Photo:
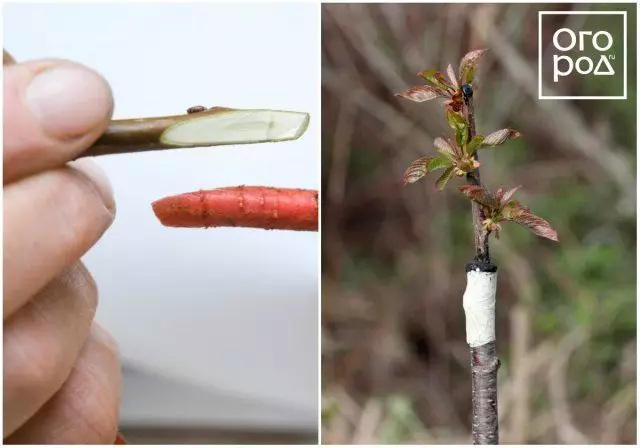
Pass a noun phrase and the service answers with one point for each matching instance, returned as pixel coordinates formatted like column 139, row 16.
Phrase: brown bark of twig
column 484, row 394
column 484, row 360
column 480, row 237
column 140, row 134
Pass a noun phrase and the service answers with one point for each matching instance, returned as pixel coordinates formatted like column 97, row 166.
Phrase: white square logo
column 581, row 53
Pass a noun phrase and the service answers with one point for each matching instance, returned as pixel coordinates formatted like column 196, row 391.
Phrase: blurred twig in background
column 395, row 366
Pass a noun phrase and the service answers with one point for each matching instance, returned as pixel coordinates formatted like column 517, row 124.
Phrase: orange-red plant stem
column 244, row 206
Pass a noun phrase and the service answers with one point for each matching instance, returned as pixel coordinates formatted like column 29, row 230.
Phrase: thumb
column 53, row 110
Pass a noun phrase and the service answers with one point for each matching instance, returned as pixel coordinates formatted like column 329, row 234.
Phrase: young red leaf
column 420, row 93
column 443, row 81
column 468, row 65
column 456, row 102
column 417, row 170
column 444, row 178
column 504, row 198
column 499, row 137
column 498, row 208
column 444, row 147
column 480, row 195
column 538, row 226
column 452, row 76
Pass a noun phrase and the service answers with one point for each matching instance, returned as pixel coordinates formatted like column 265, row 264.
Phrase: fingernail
column 69, row 100
column 99, row 178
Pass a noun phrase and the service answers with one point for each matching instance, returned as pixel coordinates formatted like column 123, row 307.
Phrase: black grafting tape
column 481, row 266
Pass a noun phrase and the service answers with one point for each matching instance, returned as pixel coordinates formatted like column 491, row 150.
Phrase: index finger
column 53, row 110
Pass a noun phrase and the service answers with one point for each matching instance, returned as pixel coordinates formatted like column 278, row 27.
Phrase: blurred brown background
column 395, row 361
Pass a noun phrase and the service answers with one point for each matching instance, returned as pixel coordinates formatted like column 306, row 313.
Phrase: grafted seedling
column 459, row 157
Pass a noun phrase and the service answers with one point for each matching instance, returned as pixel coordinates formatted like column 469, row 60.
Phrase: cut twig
column 199, row 127
column 210, row 127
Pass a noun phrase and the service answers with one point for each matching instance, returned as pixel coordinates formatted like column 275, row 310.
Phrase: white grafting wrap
column 479, row 303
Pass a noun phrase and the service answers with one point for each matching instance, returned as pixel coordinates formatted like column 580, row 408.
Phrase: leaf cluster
column 441, row 87
column 499, row 207
column 457, row 155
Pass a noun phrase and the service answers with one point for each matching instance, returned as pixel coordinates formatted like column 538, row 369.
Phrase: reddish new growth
column 499, row 208
column 257, row 207
column 457, row 157
column 455, row 160
column 458, row 154
column 440, row 87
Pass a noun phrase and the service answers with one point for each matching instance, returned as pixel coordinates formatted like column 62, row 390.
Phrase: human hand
column 62, row 377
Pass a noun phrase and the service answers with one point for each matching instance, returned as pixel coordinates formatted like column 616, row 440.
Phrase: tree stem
column 484, row 394
column 481, row 240
column 484, row 360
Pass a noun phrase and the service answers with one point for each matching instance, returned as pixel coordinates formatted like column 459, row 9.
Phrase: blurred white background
column 229, row 313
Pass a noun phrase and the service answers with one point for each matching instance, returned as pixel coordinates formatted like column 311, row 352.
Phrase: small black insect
column 467, row 93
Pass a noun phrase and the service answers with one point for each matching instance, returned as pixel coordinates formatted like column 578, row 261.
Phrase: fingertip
column 53, row 110
column 69, row 100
